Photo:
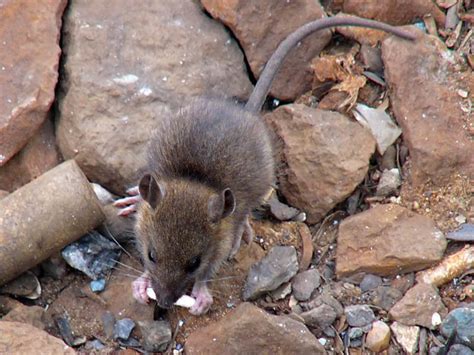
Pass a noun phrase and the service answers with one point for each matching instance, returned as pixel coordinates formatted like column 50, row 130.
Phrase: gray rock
column 459, row 349
column 324, row 298
column 460, row 320
column 156, row 335
column 389, row 182
column 322, row 316
column 93, row 254
column 465, row 233
column 277, row 267
column 385, row 297
column 123, row 328
column 359, row 315
column 305, row 283
column 108, row 323
column 281, row 292
column 369, row 282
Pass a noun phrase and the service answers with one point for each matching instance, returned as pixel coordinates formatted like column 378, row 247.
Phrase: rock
column 458, row 349
column 359, row 315
column 418, row 306
column 389, row 182
column 54, row 267
column 327, row 299
column 123, row 328
column 21, row 338
column 95, row 344
column 323, row 163
column 38, row 156
column 97, row 285
column 156, row 335
column 407, row 336
column 437, row 108
column 93, row 254
column 260, row 26
column 355, row 337
column 281, row 292
column 460, row 320
column 120, row 77
column 279, row 266
column 464, row 233
column 371, row 58
column 378, row 338
column 108, row 322
column 26, row 101
column 33, row 315
column 394, row 12
column 404, row 282
column 385, row 297
column 26, row 285
column 369, row 282
column 387, row 240
column 322, row 316
column 305, row 283
column 249, row 330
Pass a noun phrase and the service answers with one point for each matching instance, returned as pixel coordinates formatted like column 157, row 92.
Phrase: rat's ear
column 150, row 190
column 221, row 206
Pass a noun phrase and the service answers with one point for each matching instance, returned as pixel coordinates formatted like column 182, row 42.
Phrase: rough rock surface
column 249, row 330
column 260, row 26
column 119, row 78
column 33, row 315
column 435, row 126
column 359, row 315
column 394, row 12
column 322, row 316
column 387, row 240
column 407, row 336
column 325, row 155
column 305, row 283
column 28, row 72
column 38, row 156
column 20, row 338
column 418, row 306
column 461, row 321
column 378, row 338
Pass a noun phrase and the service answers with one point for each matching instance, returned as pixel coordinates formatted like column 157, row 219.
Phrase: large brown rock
column 260, row 26
column 325, row 156
column 38, row 156
column 29, row 57
column 20, row 338
column 394, row 12
column 424, row 78
column 387, row 240
column 250, row 330
column 127, row 66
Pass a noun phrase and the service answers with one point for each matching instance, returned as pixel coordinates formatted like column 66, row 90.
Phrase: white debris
column 150, row 293
column 185, row 301
column 126, row 79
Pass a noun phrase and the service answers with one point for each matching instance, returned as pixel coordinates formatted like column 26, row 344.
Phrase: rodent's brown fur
column 204, row 149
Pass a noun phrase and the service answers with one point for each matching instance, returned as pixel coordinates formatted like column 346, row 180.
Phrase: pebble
column 389, row 182
column 281, row 292
column 156, row 335
column 459, row 349
column 108, row 323
column 355, row 335
column 359, row 315
column 123, row 328
column 378, row 338
column 460, row 320
column 95, row 344
column 322, row 316
column 305, row 283
column 407, row 336
column 385, row 297
column 97, row 285
column 276, row 268
column 464, row 233
column 369, row 282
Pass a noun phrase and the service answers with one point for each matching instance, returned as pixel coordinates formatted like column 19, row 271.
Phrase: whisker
column 129, row 267
column 119, row 245
column 222, row 278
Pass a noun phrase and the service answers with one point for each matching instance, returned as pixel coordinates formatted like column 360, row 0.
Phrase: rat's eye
column 152, row 256
column 193, row 264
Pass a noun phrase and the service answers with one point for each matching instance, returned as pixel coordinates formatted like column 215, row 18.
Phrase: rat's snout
column 166, row 297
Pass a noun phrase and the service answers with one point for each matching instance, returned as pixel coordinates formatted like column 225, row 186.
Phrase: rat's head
column 180, row 228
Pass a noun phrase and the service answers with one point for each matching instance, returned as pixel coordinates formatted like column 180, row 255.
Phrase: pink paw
column 128, row 205
column 139, row 287
column 203, row 299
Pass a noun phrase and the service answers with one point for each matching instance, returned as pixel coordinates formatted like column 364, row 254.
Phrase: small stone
column 460, row 219
column 355, row 333
column 409, row 312
column 460, row 320
column 108, row 323
column 34, row 315
column 463, row 93
column 389, row 182
column 378, row 338
column 324, row 298
column 123, row 328
column 156, row 335
column 281, row 292
column 359, row 315
column 465, row 233
column 407, row 336
column 459, row 349
column 322, row 316
column 279, row 266
column 95, row 344
column 369, row 282
column 97, row 285
column 305, row 283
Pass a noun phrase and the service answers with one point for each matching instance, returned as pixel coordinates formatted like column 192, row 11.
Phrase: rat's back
column 219, row 144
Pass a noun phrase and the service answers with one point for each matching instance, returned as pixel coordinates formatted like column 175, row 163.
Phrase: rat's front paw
column 139, row 287
column 128, row 205
column 203, row 300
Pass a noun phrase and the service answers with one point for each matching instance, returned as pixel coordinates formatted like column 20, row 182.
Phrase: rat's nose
column 167, row 300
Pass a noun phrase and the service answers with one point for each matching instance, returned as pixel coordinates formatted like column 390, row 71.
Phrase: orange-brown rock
column 21, row 338
column 325, row 156
column 424, row 78
column 29, row 57
column 387, row 240
column 38, row 156
column 260, row 26
column 394, row 12
column 250, row 330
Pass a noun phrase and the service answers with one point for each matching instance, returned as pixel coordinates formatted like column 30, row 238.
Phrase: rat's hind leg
column 128, row 205
column 139, row 287
column 203, row 298
column 244, row 231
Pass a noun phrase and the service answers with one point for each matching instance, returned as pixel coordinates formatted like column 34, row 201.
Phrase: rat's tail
column 262, row 87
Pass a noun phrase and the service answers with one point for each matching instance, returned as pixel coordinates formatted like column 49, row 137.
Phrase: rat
column 208, row 167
